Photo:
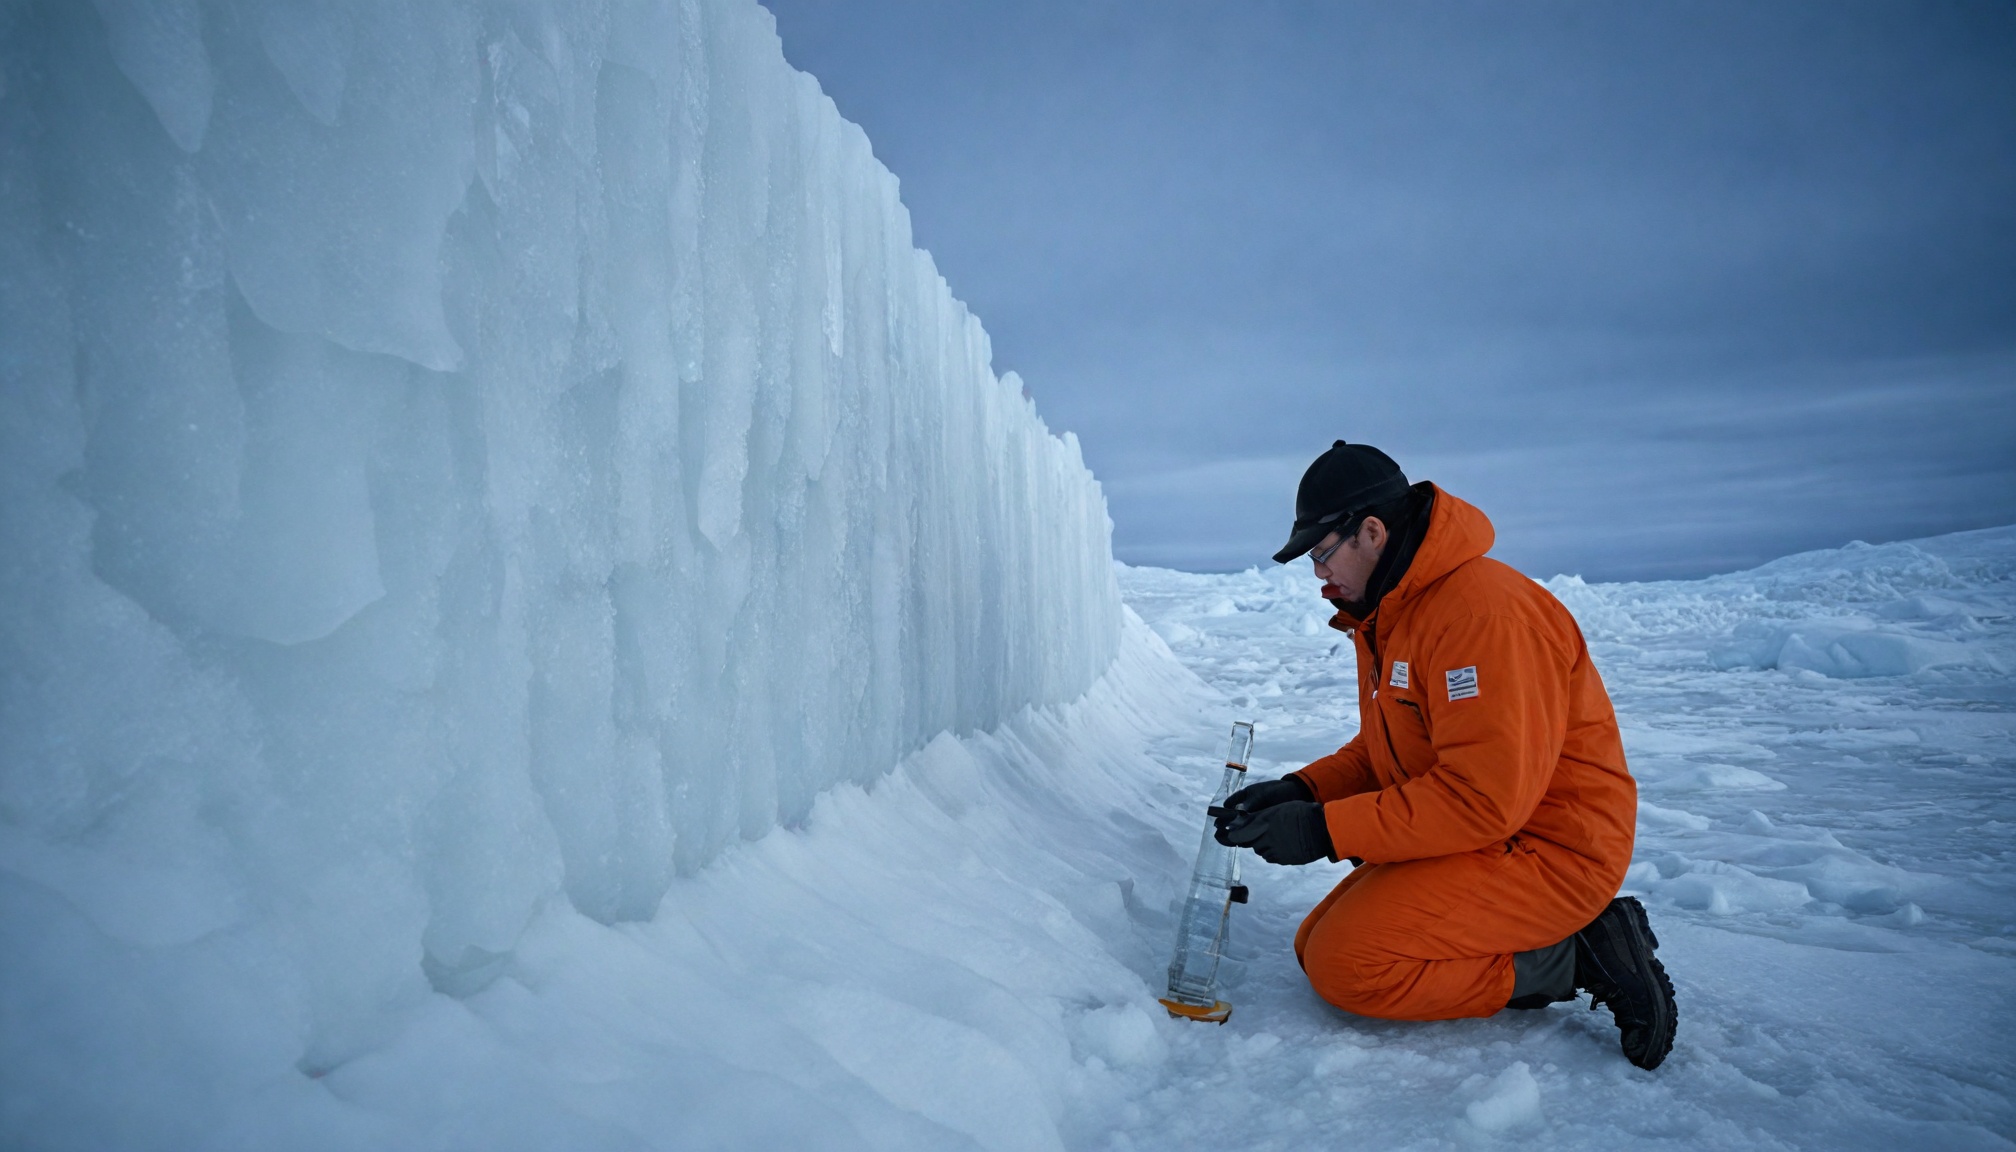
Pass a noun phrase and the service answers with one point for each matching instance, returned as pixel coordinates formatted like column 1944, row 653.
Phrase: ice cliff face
column 459, row 455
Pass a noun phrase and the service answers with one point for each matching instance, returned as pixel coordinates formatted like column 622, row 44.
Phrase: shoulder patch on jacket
column 1399, row 674
column 1462, row 682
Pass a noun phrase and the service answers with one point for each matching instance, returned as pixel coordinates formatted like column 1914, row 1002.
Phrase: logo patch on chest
column 1462, row 682
column 1399, row 674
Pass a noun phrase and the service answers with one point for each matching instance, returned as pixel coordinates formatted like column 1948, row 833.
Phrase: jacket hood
column 1458, row 532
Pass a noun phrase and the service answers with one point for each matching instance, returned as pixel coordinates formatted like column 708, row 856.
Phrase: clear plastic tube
column 1214, row 888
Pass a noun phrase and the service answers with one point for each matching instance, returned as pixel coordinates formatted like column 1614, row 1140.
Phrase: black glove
column 1254, row 797
column 1291, row 833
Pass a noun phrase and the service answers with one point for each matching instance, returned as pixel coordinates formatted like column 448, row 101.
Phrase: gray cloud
column 1666, row 288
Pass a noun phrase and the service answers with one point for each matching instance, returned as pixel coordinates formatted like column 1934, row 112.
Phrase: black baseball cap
column 1346, row 480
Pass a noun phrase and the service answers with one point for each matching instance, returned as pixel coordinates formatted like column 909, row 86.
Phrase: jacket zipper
column 1371, row 631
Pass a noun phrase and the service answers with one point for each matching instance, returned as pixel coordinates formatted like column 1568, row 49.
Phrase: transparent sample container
column 1214, row 888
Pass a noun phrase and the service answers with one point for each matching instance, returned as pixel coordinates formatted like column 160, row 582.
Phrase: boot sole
column 1665, row 1011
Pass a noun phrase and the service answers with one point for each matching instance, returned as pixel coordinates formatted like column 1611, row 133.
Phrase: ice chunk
column 1908, row 916
column 1839, row 876
column 1843, row 649
column 1717, row 777
column 1512, row 1098
column 1123, row 1036
column 1721, row 889
column 1649, row 813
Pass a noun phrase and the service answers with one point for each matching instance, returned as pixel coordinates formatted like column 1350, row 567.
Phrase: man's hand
column 1290, row 833
column 1255, row 797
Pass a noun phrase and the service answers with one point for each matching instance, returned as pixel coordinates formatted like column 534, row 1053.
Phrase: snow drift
column 458, row 457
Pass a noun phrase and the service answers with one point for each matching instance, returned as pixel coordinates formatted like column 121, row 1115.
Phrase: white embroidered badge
column 1399, row 674
column 1462, row 682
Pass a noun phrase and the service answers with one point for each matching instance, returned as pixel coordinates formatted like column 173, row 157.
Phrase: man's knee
column 1348, row 972
column 1351, row 968
column 1364, row 989
column 1407, row 989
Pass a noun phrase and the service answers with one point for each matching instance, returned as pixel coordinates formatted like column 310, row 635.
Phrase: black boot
column 1614, row 962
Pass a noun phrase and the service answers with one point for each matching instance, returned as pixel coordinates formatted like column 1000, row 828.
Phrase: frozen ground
column 964, row 953
column 1824, row 748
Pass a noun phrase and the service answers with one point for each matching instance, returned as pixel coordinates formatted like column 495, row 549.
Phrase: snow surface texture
column 456, row 460
column 1826, row 754
column 952, row 957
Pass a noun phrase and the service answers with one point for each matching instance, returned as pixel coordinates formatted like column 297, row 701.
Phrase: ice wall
column 458, row 456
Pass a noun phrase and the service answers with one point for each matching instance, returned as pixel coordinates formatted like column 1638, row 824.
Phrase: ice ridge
column 458, row 457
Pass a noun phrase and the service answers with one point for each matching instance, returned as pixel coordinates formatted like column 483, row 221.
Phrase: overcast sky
column 1665, row 288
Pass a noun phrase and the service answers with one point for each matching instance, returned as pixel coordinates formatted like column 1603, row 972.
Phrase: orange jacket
column 1482, row 719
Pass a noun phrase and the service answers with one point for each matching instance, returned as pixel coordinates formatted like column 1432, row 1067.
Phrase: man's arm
column 1345, row 772
column 1497, row 743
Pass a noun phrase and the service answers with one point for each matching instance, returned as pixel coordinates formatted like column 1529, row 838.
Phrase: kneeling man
column 1485, row 797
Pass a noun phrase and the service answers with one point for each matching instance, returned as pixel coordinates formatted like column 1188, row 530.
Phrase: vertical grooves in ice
column 478, row 451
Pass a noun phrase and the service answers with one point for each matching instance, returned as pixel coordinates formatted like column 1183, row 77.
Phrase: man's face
column 1349, row 567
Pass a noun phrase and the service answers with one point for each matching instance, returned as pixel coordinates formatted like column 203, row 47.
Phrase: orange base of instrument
column 1215, row 1014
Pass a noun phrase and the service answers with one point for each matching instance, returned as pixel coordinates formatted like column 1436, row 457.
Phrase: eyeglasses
column 1322, row 555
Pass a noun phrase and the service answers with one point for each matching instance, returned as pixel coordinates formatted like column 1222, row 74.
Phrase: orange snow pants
column 1433, row 939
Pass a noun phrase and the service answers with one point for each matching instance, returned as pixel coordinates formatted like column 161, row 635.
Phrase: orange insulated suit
column 1486, row 788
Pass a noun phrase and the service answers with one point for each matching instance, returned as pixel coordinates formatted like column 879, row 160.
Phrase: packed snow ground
column 1825, row 755
column 965, row 953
